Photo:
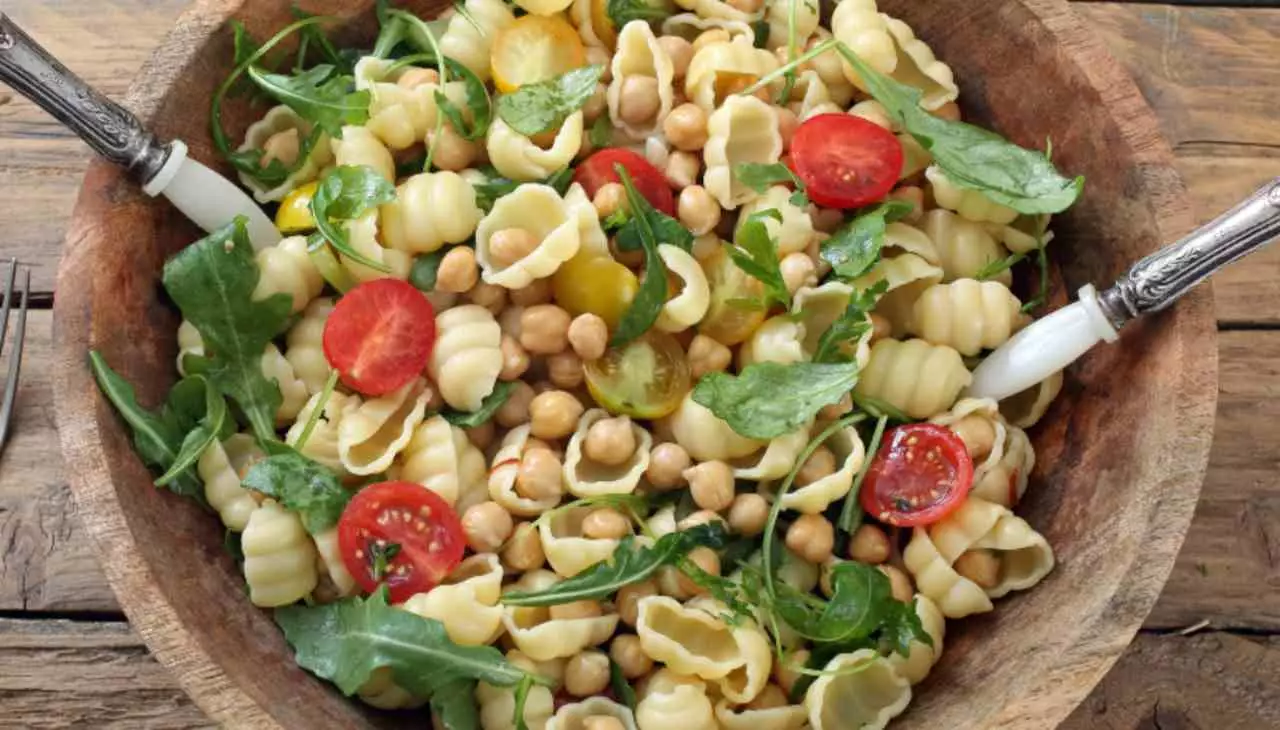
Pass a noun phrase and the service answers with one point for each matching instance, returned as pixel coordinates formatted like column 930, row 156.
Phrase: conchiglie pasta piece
column 557, row 224
column 286, row 268
column 362, row 234
column 467, row 356
column 906, row 277
column 542, row 638
column 817, row 308
column 920, row 659
column 719, row 68
column 399, row 117
column 690, row 305
column 1025, row 409
column 860, row 26
column 744, row 683
column 305, row 346
column 283, row 119
column 587, row 478
column 382, row 692
column 964, row 418
column 787, row 717
column 1025, row 556
column 322, row 444
column 441, row 458
column 830, row 68
column 279, row 557
column 675, row 701
column 497, row 705
column 917, row 378
column 466, row 602
column 779, row 339
column 543, row 7
column 691, row 25
column 567, row 551
column 469, row 36
column 715, row 9
column 972, row 205
column 917, row 66
column 795, row 231
column 967, row 315
column 430, row 210
column 687, row 639
column 778, row 17
column 520, row 158
column 744, row 129
column 775, row 460
column 371, row 433
column 964, row 247
column 359, row 147
column 573, row 716
column 705, row 436
column 815, row 96
column 859, row 690
column 331, row 566
column 815, row 497
column 955, row 595
column 638, row 55
column 906, row 238
column 293, row 392
column 502, row 477
column 222, row 489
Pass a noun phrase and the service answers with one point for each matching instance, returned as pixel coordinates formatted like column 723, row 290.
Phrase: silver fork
column 19, row 337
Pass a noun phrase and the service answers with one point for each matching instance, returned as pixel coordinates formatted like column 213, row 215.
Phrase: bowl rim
column 1042, row 703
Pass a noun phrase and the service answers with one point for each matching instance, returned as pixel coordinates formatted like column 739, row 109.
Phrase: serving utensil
column 208, row 199
column 1151, row 285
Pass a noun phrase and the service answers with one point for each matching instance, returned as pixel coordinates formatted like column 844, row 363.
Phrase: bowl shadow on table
column 1121, row 455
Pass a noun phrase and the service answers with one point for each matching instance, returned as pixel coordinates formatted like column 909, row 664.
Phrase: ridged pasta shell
column 586, row 478
column 282, row 119
column 860, row 26
column 567, row 551
column 744, row 129
column 557, row 224
column 382, row 692
column 222, row 489
column 777, row 15
column 466, row 602
column 675, row 701
column 362, row 234
column 286, row 268
column 830, row 68
column 817, row 308
column 469, row 36
column 430, row 210
column 573, row 715
column 519, row 158
column 917, row 378
column 331, row 564
column 1025, row 409
column 322, row 444
column 816, row 496
column 917, row 66
column 502, row 477
column 305, row 345
column 686, row 639
column 715, row 9
column 907, row 276
column 542, row 638
column 906, row 238
column 705, row 436
column 638, row 54
column 955, row 595
column 963, row 246
column 690, row 305
column 371, row 433
column 815, row 97
column 972, row 205
column 736, row 58
column 794, row 232
column 398, row 116
column 920, row 659
column 967, row 315
column 690, row 25
column 787, row 717
column 467, row 356
column 293, row 392
column 279, row 557
column 778, row 340
column 867, row 697
column 360, row 147
column 497, row 705
column 775, row 461
column 441, row 458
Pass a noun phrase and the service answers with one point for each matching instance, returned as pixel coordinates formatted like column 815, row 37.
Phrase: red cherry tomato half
column 597, row 170
column 845, row 161
column 424, row 528
column 921, row 473
column 379, row 336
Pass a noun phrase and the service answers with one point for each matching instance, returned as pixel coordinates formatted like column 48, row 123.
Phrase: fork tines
column 20, row 334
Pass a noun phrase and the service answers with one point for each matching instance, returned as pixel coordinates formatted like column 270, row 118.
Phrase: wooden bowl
column 1121, row 455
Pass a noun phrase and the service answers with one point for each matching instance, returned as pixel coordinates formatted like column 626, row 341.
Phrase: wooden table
column 1208, row 656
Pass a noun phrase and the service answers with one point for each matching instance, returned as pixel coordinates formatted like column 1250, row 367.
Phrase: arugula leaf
column 535, row 108
column 622, row 12
column 756, row 253
column 346, row 193
column 851, row 513
column 422, row 36
column 302, row 486
column 489, row 406
column 424, row 270
column 344, row 642
column 455, row 705
column 972, row 157
column 861, row 606
column 212, row 425
column 644, row 230
column 998, row 267
column 880, row 409
column 495, row 185
column 760, row 33
column 630, row 563
column 622, row 689
column 1042, row 264
column 760, row 176
column 212, row 282
column 851, row 326
column 601, row 132
column 521, row 697
column 768, row 400
column 855, row 247
column 317, row 95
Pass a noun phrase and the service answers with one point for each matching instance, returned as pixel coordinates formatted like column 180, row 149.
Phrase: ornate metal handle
column 1158, row 280
column 107, row 127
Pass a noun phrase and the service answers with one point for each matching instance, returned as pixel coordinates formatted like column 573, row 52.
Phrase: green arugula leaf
column 855, row 247
column 851, row 326
column 756, row 253
column 212, row 282
column 768, row 400
column 622, row 12
column 851, row 513
column 601, row 132
column 346, row 193
column 972, row 157
column 455, row 705
column 496, row 186
column 345, row 641
column 760, row 33
column 317, row 95
column 424, row 270
column 1042, row 295
column 880, row 409
column 422, row 36
column 521, row 699
column 313, row 36
column 644, row 230
column 630, row 563
column 998, row 267
column 622, row 689
column 213, row 423
column 760, row 176
column 489, row 406
column 275, row 172
column 535, row 108
column 302, row 486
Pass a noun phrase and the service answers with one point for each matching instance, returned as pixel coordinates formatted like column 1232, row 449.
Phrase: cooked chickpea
column 554, row 414
column 597, row 55
column 605, row 523
column 565, row 369
column 515, row 361
column 822, row 463
column 515, row 412
column 798, row 270
column 575, row 610
column 705, row 246
column 609, row 199
column 523, row 551
column 949, row 111
column 707, row 37
column 630, row 658
column 770, row 697
column 610, row 441
column 284, row 146
column 980, row 566
column 825, row 220
column 812, row 537
column 707, row 356
column 451, row 151
column 880, row 327
column 869, row 545
column 638, row 100
column 686, row 127
column 978, row 435
column 509, row 245
column 509, row 321
column 711, row 484
column 682, row 169
column 539, row 476
column 537, row 292
column 458, row 271
column 679, row 51
column 489, row 296
column 486, row 525
column 748, row 513
column 698, row 211
column 588, row 336
column 911, row 194
column 481, row 436
column 667, row 463
column 838, row 409
column 628, row 599
column 544, row 329
column 786, row 672
column 586, row 674
column 412, row 78
column 596, row 105
column 787, row 124
column 899, row 582
column 602, row 722
column 749, row 7
column 706, row 559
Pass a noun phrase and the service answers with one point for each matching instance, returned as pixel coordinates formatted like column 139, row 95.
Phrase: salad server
column 1151, row 285
column 204, row 196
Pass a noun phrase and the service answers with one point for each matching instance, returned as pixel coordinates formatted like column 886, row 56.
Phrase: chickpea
column 586, row 674
column 698, row 211
column 748, row 513
column 412, row 78
column 628, row 599
column 901, row 584
column 686, row 127
column 509, row 245
column 605, row 523
column 978, row 435
column 682, row 169
column 706, row 559
column 597, row 55
column 811, row 537
column 602, row 722
column 787, row 124
column 707, row 356
column 515, row 412
column 787, row 671
column 770, row 697
column 630, row 658
column 509, row 321
column 284, row 146
column 747, row 6
column 912, row 194
column 515, row 361
column 481, row 436
column 588, row 336
column 638, row 100
column 523, row 551
column 576, row 610
column 539, row 476
column 451, row 151
column 980, row 566
column 565, row 370
column 822, row 463
column 544, row 329
column 458, row 271
column 554, row 414
column 838, row 409
column 610, row 441
column 537, row 292
column 489, row 296
column 711, row 483
column 597, row 104
column 609, row 199
column 679, row 51
column 486, row 525
column 667, row 463
column 825, row 220
column 704, row 247
column 869, row 545
column 707, row 37
column 798, row 270
column 880, row 327
column 949, row 111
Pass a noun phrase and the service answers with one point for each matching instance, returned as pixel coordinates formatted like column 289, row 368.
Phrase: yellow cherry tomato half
column 294, row 215
column 602, row 25
column 734, row 312
column 645, row 378
column 593, row 284
column 535, row 48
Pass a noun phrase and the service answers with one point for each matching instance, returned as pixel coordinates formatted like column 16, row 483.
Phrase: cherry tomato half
column 645, row 378
column 597, row 170
column 590, row 283
column 534, row 48
column 424, row 528
column 380, row 336
column 845, row 161
column 921, row 473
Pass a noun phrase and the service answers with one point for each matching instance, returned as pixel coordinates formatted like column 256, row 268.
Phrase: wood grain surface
column 1206, row 71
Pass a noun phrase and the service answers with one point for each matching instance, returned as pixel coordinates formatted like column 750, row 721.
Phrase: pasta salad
column 611, row 374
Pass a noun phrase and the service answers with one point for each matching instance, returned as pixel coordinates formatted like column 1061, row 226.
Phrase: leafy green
column 1042, row 265
column 535, row 108
column 760, row 33
column 302, row 486
column 455, row 705
column 521, row 699
column 768, row 399
column 622, row 12
column 622, row 689
column 495, row 186
column 851, row 513
column 212, row 281
column 424, row 270
column 317, row 410
column 995, row 268
column 756, row 253
column 312, row 36
column 489, row 406
column 972, row 157
column 346, row 193
column 878, row 408
column 475, row 94
column 601, row 132
column 852, row 325
column 760, row 176
column 644, row 230
column 317, row 95
column 631, row 563
column 213, row 423
column 855, row 247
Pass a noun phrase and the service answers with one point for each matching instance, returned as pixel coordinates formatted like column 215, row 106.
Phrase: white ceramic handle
column 210, row 200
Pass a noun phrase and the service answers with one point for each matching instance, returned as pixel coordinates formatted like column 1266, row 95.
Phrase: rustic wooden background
column 1209, row 655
